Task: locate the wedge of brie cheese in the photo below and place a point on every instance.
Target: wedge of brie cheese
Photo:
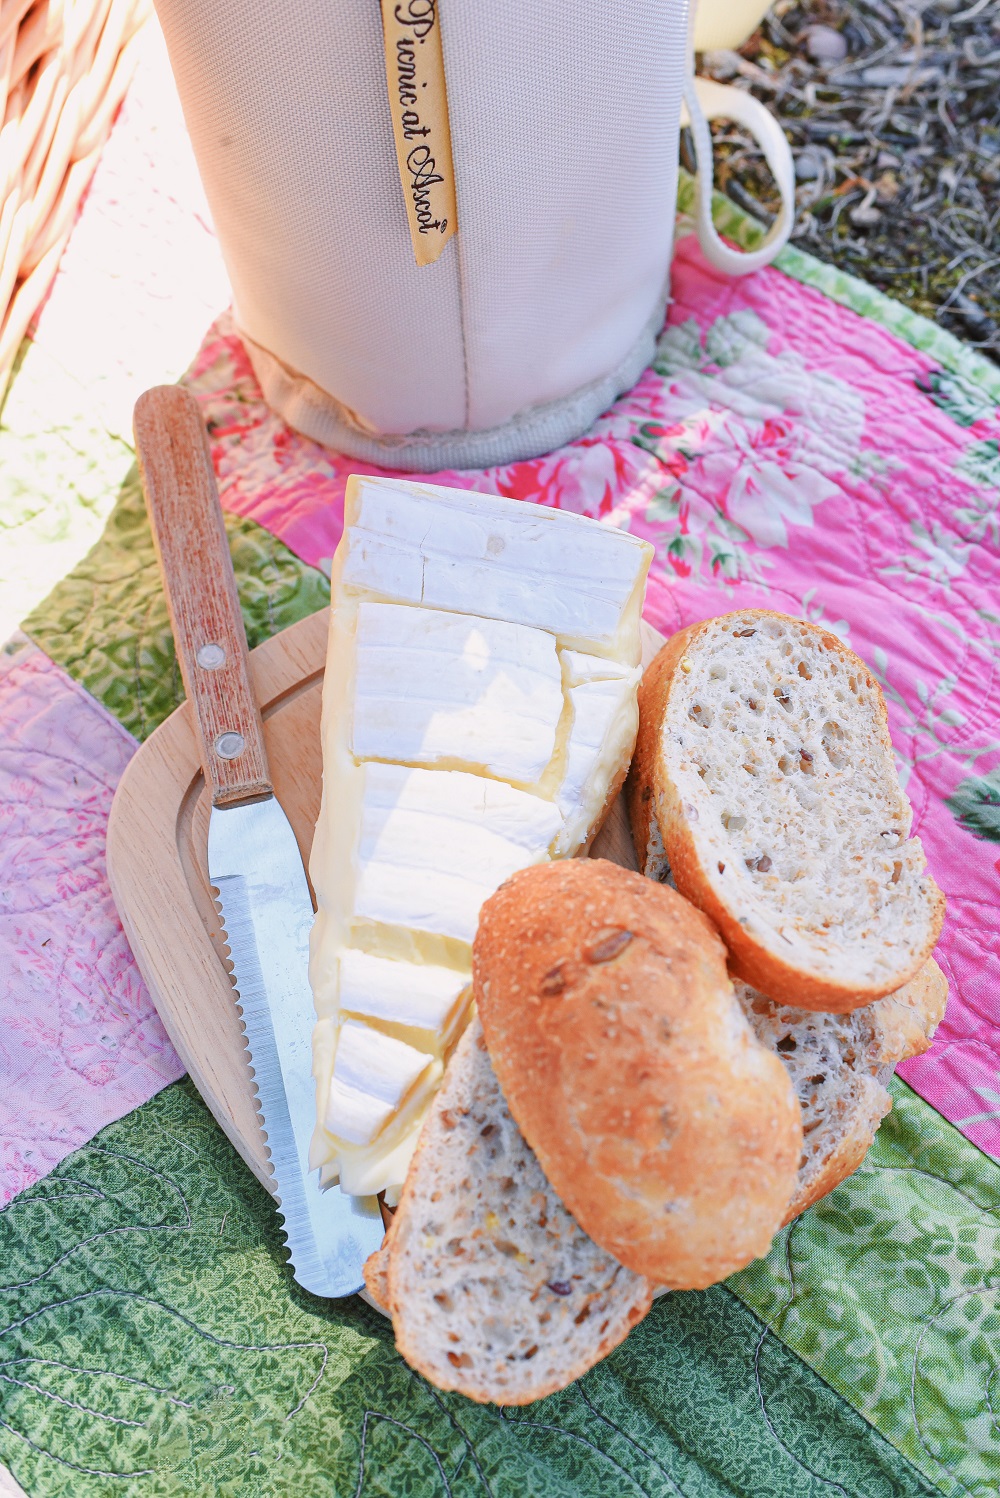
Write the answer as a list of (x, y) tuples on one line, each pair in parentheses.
[(479, 710)]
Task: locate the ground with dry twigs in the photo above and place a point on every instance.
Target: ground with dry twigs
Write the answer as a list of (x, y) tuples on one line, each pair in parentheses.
[(892, 108)]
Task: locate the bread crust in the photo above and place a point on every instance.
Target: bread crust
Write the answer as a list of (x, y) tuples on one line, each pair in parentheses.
[(907, 1019), (903, 1025), (655, 806), (850, 1151), (668, 1131), (376, 1273)]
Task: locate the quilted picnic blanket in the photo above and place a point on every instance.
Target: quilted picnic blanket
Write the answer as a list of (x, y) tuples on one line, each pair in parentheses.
[(800, 442)]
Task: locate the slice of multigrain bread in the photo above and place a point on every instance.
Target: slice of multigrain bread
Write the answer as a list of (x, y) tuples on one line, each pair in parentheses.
[(839, 1065), (764, 785), (494, 1290)]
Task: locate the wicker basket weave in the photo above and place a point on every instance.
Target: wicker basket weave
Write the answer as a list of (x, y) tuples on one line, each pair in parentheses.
[(64, 69)]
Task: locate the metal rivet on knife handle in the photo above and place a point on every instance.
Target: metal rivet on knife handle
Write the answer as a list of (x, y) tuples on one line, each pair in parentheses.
[(179, 483), (229, 745)]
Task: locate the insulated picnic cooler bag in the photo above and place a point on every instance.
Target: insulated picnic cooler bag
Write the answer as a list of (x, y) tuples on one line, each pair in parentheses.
[(525, 152)]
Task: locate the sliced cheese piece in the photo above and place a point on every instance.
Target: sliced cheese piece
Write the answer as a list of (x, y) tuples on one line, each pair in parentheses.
[(579, 667), (382, 1165), (412, 996), (455, 689), (605, 720), (372, 1074), (435, 844), (479, 553), (366, 1167), (356, 1116), (478, 704)]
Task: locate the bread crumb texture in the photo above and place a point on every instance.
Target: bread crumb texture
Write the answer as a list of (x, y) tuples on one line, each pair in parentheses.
[(837, 1068), (495, 1290), (669, 1132), (839, 1065), (778, 799)]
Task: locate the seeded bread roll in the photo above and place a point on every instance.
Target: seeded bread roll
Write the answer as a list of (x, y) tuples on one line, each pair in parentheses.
[(494, 1290), (763, 783), (839, 1065), (672, 1136)]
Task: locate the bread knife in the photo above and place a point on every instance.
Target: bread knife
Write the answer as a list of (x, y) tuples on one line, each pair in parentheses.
[(254, 865)]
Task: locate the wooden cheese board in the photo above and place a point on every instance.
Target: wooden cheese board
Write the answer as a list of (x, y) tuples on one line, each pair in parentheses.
[(157, 865)]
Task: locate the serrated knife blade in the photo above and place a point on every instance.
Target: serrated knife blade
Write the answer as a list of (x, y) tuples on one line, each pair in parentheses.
[(254, 863), (263, 898)]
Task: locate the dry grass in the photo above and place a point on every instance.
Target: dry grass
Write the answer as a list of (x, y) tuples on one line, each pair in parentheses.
[(896, 144)]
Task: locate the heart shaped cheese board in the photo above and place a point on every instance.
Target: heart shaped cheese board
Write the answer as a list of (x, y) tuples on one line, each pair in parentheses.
[(157, 865)]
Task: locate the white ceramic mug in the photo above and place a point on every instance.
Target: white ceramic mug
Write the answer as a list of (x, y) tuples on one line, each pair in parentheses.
[(726, 23)]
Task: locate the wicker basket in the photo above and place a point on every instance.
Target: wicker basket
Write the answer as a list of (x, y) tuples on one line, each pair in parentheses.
[(64, 69)]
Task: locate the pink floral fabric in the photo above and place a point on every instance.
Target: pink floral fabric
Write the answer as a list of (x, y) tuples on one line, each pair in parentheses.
[(80, 1041), (783, 451)]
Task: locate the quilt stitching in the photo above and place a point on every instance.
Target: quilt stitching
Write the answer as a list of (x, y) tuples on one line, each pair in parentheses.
[(188, 1386), (905, 1258)]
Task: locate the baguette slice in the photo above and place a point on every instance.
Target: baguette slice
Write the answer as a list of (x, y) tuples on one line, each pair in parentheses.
[(764, 787), (839, 1065), (494, 1290), (672, 1136)]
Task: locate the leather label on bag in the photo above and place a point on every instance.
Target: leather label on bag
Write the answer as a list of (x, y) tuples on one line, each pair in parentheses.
[(418, 102)]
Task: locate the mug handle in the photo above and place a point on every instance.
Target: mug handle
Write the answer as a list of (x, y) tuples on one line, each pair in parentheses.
[(706, 100)]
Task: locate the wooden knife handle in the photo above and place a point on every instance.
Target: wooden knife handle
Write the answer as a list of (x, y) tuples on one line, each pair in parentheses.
[(175, 465)]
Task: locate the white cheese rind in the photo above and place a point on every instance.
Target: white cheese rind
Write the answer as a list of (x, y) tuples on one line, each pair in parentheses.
[(435, 844), (434, 687), (420, 996), (450, 549), (605, 720), (461, 742), (372, 1074)]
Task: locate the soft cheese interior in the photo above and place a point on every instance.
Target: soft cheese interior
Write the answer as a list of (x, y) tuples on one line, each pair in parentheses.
[(479, 704)]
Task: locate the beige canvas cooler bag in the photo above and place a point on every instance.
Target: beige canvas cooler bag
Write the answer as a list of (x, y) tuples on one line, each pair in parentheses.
[(551, 274)]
